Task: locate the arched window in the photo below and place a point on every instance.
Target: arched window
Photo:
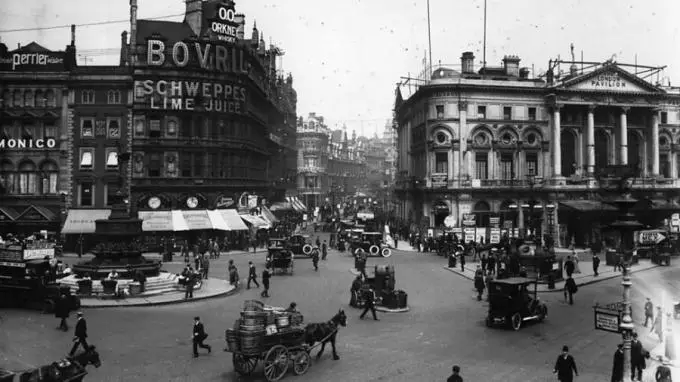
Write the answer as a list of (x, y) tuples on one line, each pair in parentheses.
[(28, 98), (39, 98), (50, 98), (113, 97), (482, 211), (18, 99), (27, 178), (7, 98), (6, 177), (50, 175)]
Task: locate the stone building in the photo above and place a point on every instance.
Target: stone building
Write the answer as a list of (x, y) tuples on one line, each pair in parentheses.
[(346, 165), (313, 151), (496, 150), (34, 147)]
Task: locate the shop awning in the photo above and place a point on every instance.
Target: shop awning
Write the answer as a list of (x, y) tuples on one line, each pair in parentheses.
[(255, 221), (281, 206), (37, 213), (83, 221), (162, 221), (657, 205), (233, 220), (267, 215), (197, 220), (296, 203), (588, 205), (217, 221), (8, 213)]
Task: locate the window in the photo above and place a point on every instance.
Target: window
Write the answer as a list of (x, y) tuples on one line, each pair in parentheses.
[(113, 129), (199, 165), (185, 128), (50, 173), (441, 165), (171, 128), (507, 168), (111, 191), (7, 177), (155, 128), (532, 163), (481, 112), (27, 178), (140, 129), (87, 128), (39, 99), (6, 98), (28, 99), (18, 99), (664, 166), (507, 112), (87, 96), (532, 113), (86, 159), (155, 165), (481, 166), (664, 117), (50, 132), (50, 98), (86, 194), (185, 166), (440, 111), (214, 165), (113, 97), (111, 158), (27, 132)]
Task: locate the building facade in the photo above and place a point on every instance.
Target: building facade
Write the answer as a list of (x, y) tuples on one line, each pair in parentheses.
[(34, 167), (313, 150), (211, 117), (496, 150), (346, 165)]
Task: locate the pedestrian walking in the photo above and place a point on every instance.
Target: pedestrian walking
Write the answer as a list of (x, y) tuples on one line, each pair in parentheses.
[(565, 366), (462, 261), (199, 335), (484, 260), (491, 266), (189, 286), (479, 284), (617, 367), (574, 256), (656, 328), (324, 250), (315, 258), (265, 281), (637, 358), (596, 263), (618, 263), (80, 335), (369, 300), (205, 266), (62, 311), (569, 266), (570, 289), (252, 275), (455, 377), (649, 312), (233, 276)]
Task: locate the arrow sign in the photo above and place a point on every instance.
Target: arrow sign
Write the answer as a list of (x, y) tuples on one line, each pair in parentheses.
[(660, 238)]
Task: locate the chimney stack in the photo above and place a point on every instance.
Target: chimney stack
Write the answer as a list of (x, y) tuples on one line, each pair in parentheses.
[(132, 50), (511, 65), (524, 73), (123, 49), (467, 61), (573, 70), (240, 20), (73, 34), (193, 15)]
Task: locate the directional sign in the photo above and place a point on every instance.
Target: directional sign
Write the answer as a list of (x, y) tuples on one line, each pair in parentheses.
[(651, 237), (607, 318)]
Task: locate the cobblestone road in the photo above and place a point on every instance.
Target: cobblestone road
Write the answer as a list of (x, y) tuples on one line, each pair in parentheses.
[(444, 327)]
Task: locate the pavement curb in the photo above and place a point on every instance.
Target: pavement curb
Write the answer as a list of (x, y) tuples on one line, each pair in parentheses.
[(388, 310), (171, 302), (593, 281)]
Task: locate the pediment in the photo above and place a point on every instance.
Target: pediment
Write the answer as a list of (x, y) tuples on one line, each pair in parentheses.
[(609, 78)]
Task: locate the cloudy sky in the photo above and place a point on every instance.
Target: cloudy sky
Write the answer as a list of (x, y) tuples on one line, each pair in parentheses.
[(347, 56)]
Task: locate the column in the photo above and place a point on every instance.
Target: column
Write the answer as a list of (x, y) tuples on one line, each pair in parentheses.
[(520, 217), (465, 168), (623, 136), (453, 167), (655, 143), (590, 140), (557, 144)]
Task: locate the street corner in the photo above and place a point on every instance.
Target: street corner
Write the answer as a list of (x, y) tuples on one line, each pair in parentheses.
[(388, 310)]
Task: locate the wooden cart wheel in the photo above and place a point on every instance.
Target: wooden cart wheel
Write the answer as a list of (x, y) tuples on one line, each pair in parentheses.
[(301, 362), (244, 364), (276, 363)]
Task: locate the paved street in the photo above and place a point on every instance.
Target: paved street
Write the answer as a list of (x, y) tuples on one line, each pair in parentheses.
[(445, 326)]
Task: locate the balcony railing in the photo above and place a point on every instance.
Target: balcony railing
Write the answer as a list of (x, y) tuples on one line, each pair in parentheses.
[(310, 190)]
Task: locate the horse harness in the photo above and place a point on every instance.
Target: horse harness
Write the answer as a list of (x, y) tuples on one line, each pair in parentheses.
[(333, 332)]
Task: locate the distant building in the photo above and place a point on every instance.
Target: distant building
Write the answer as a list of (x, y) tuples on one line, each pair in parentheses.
[(313, 151), (498, 151), (346, 165)]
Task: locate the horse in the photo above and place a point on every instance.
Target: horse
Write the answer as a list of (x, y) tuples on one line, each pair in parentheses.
[(65, 369), (325, 332)]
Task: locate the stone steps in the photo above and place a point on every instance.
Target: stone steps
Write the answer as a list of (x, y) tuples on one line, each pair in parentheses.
[(165, 282)]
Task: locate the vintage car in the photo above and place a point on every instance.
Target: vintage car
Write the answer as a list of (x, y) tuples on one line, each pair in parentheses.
[(371, 243), (300, 245), (512, 301), (279, 255)]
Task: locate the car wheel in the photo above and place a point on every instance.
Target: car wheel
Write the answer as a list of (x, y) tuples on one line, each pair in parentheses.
[(516, 321), (386, 252), (307, 249)]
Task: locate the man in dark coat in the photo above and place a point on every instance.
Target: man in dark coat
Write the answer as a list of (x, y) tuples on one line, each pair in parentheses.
[(324, 250), (265, 281), (369, 298), (355, 290), (569, 266), (455, 377), (252, 275), (617, 368), (569, 289), (596, 263), (315, 259), (637, 358), (565, 366), (80, 335), (61, 310), (189, 286), (479, 284), (649, 312), (199, 336)]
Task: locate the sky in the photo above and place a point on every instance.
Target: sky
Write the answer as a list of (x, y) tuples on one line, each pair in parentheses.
[(348, 56)]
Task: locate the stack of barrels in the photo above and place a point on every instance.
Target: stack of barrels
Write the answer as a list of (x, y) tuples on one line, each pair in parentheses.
[(252, 327)]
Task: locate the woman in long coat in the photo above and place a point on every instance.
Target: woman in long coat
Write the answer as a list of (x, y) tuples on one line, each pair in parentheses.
[(62, 311)]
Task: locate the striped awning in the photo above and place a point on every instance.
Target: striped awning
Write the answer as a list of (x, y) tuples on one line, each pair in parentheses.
[(83, 221), (267, 215), (233, 220), (255, 221), (281, 206), (162, 221), (296, 203)]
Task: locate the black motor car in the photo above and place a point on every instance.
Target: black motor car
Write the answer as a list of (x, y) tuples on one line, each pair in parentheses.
[(371, 243), (511, 302)]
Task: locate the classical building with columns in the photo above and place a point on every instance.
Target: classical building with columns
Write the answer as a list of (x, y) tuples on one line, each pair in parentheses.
[(496, 150)]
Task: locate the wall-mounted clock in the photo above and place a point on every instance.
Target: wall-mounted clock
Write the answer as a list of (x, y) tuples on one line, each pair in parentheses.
[(154, 202), (192, 202)]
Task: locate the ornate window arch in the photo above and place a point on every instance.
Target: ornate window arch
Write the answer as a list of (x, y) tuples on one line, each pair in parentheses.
[(7, 177), (50, 175), (482, 136), (27, 178), (532, 137), (507, 135), (442, 134), (113, 97)]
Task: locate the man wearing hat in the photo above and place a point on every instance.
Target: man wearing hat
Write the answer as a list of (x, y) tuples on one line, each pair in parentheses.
[(617, 368), (649, 312), (663, 372), (637, 358), (80, 335), (565, 366), (199, 336)]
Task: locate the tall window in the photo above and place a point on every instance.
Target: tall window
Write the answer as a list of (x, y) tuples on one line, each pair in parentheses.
[(111, 191), (28, 99), (113, 97), (155, 165), (50, 173), (481, 166), (40, 100), (50, 132), (199, 164), (18, 99), (113, 129), (532, 113), (140, 129), (86, 127), (86, 194), (665, 166), (441, 165), (87, 97), (50, 98), (507, 112), (440, 111), (86, 159), (111, 158), (185, 165), (27, 178), (507, 168), (155, 128), (7, 185), (171, 128), (664, 117), (214, 165), (532, 163), (6, 98), (481, 112)]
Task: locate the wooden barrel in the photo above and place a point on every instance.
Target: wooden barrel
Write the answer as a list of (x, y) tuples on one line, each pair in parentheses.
[(251, 342), (233, 340), (282, 321), (271, 318), (253, 306), (253, 321)]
